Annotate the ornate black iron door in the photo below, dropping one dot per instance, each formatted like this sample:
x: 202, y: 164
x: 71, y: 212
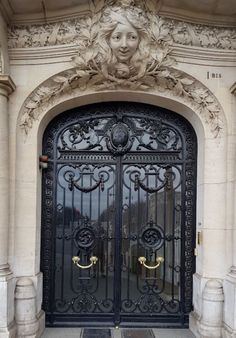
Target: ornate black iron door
x: 118, y: 216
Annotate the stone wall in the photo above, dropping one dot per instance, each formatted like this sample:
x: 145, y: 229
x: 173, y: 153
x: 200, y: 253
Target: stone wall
x: 189, y: 69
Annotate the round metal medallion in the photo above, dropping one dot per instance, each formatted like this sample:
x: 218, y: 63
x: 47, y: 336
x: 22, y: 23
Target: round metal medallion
x: 120, y: 135
x: 85, y: 238
x: 152, y: 237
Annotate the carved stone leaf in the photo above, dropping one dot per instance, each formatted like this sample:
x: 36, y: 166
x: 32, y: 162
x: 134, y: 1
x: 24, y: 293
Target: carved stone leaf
x: 186, y: 81
x: 98, y: 5
x: 91, y: 5
x: 96, y: 79
x: 83, y: 81
x: 82, y: 73
x: 209, y: 99
x: 85, y: 33
x: 79, y: 60
x: 31, y: 105
x: 179, y: 88
x: 213, y: 107
x: 164, y: 73
x: 151, y: 5
x: 168, y: 62
x: 96, y: 18
x: 149, y: 80
x: 43, y: 90
x: 155, y: 30
x: 165, y: 34
x: 60, y: 79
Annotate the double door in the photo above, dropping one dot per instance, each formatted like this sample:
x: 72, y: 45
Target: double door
x: 118, y: 219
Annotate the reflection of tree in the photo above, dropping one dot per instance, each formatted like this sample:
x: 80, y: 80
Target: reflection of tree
x: 134, y: 215
x: 67, y: 215
x: 108, y: 213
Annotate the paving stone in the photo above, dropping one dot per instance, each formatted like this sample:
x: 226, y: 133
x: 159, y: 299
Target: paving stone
x: 173, y: 333
x: 137, y: 333
x: 96, y: 333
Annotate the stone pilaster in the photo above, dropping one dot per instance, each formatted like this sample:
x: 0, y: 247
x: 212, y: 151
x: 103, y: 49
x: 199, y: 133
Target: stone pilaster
x: 229, y: 330
x: 7, y: 328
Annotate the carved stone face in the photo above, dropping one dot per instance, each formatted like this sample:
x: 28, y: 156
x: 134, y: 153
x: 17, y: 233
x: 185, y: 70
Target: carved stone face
x: 124, y: 41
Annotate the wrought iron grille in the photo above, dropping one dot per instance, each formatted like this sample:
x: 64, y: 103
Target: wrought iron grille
x: 119, y: 197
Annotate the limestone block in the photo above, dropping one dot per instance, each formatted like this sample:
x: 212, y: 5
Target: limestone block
x: 212, y: 310
x: 7, y: 286
x: 25, y: 312
x: 213, y: 253
x: 230, y: 303
x: 227, y: 332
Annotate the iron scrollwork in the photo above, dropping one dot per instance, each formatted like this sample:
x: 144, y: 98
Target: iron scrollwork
x: 152, y: 153
x: 152, y: 236
x: 72, y: 183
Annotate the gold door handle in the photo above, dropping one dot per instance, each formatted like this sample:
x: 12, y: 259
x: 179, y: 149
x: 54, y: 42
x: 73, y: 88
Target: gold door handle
x: 92, y: 259
x: 142, y: 260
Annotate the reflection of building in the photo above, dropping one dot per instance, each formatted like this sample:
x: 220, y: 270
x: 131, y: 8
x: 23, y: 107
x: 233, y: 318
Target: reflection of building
x: 43, y: 37
x: 166, y: 208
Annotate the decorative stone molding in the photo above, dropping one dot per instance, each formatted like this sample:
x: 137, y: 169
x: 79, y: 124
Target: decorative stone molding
x: 123, y: 49
x: 7, y: 85
x: 73, y: 83
x: 1, y: 63
x: 233, y: 89
x: 69, y: 31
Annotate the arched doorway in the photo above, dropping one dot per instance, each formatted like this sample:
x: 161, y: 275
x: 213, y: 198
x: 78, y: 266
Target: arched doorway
x: 118, y: 216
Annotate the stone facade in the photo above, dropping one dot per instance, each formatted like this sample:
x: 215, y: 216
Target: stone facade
x: 49, y: 68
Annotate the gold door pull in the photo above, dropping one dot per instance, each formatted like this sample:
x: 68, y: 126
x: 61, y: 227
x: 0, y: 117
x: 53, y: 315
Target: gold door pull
x: 142, y: 261
x: 92, y: 259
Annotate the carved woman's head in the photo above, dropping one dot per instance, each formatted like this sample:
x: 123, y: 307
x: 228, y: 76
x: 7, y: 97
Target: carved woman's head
x: 123, y: 37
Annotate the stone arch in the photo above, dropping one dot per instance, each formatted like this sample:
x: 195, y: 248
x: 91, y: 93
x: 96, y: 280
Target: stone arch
x: 187, y: 91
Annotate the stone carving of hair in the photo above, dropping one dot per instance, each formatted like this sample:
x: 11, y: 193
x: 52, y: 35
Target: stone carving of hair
x: 113, y: 16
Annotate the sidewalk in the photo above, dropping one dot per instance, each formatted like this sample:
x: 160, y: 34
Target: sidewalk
x: 116, y: 333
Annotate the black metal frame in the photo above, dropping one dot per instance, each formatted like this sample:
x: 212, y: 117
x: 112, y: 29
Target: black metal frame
x: 87, y: 118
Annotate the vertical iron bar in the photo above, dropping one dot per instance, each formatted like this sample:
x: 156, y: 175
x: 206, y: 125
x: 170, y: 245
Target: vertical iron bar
x: 117, y: 261
x: 129, y: 248
x: 173, y: 234
x: 183, y: 220
x: 63, y: 245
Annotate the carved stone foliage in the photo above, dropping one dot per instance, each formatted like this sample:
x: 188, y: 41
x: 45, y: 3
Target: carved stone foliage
x: 124, y: 47
x: 69, y: 31
x: 170, y: 82
x: 1, y: 63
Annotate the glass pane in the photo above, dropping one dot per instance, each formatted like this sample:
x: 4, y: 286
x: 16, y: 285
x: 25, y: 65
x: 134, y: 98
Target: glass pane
x: 85, y: 228
x: 151, y: 238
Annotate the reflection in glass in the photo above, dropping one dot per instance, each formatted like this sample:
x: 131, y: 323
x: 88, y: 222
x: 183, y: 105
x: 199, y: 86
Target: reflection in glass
x: 85, y: 228
x: 151, y: 224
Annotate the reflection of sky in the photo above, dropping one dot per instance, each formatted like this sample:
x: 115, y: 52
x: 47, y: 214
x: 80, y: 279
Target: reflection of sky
x: 90, y: 204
